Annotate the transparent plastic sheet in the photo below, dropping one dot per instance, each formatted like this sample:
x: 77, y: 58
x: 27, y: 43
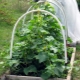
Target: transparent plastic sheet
x: 72, y: 16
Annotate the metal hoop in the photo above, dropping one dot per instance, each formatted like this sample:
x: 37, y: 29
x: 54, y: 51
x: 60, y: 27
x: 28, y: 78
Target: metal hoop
x: 62, y: 30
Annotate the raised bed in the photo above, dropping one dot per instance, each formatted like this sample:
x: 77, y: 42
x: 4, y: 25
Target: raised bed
x: 15, y: 77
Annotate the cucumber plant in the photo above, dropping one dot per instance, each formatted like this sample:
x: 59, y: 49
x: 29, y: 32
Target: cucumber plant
x: 39, y: 50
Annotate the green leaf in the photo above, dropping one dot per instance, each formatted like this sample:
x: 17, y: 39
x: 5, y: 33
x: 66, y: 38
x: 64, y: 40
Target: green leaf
x: 61, y: 68
x: 50, y: 69
x: 59, y: 60
x: 19, y: 44
x: 41, y: 57
x: 30, y: 56
x: 53, y: 49
x: 45, y: 75
x: 12, y: 62
x: 31, y: 68
x: 49, y: 38
x: 25, y: 31
x: 56, y: 71
x: 7, y: 57
x: 52, y: 57
x: 44, y: 31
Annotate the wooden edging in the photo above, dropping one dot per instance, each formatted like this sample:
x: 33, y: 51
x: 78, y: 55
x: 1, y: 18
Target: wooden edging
x: 15, y: 77
x: 71, y: 64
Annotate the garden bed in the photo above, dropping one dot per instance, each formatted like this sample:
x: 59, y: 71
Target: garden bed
x: 15, y: 77
x: 39, y: 50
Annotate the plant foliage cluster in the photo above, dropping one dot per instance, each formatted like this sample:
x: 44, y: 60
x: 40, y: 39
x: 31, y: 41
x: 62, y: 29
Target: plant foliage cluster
x: 39, y: 50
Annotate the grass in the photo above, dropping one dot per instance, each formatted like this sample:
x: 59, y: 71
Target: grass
x: 4, y: 44
x: 9, y: 17
x: 5, y: 37
x: 6, y: 31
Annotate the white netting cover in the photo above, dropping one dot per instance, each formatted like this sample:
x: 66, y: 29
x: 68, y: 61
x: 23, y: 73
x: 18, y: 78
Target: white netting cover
x: 72, y: 17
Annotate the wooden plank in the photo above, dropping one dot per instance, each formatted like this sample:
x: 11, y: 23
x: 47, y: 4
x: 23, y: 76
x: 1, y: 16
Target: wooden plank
x: 71, y: 64
x: 15, y: 77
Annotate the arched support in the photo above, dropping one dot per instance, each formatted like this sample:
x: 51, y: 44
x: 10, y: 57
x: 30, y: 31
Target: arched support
x: 32, y: 11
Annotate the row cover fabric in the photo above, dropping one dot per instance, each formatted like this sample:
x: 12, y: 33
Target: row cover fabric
x: 72, y: 17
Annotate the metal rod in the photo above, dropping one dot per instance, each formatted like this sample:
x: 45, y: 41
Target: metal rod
x: 62, y: 30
